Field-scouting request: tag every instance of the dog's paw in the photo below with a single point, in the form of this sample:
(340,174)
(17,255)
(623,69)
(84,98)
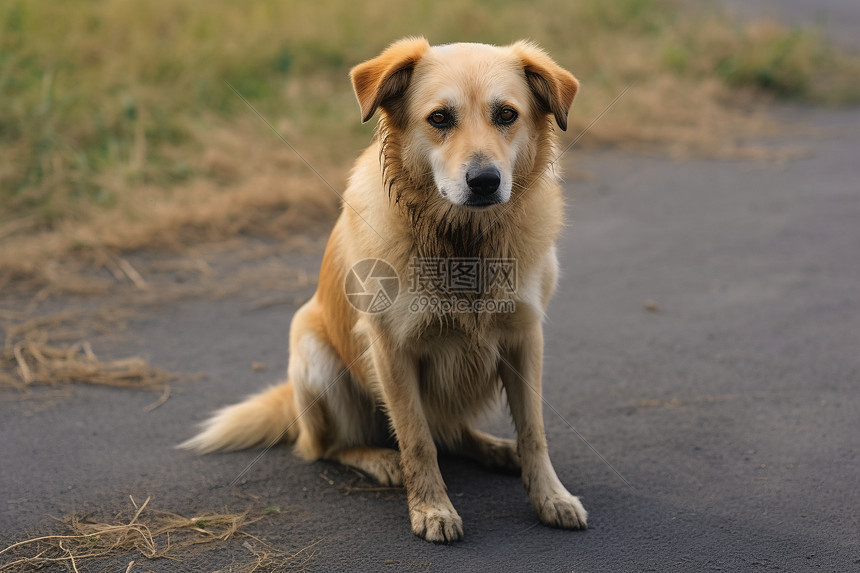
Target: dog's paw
(379,464)
(436,524)
(561,510)
(503,456)
(493,453)
(386,468)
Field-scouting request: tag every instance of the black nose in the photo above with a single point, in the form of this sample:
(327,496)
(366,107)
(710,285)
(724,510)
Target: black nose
(484,181)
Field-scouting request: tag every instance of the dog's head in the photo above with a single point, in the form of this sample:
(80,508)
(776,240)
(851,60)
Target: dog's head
(473,116)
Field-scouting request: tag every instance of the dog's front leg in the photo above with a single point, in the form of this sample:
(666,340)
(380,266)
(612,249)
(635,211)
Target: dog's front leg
(430,511)
(521,375)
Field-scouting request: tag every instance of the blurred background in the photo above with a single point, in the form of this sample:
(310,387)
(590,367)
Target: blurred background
(118,130)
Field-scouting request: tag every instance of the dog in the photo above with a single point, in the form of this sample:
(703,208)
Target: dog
(461,168)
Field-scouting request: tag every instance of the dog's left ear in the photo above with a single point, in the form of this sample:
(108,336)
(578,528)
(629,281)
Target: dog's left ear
(387,75)
(553,87)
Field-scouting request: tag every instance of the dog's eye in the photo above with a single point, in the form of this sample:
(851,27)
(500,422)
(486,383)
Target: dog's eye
(506,116)
(440,119)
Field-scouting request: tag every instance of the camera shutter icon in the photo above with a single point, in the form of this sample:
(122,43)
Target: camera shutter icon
(371,286)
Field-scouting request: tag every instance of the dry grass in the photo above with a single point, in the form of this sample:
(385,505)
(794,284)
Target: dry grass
(215,269)
(118,131)
(270,199)
(51,351)
(149,534)
(40,348)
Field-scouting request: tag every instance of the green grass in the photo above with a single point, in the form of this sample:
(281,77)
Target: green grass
(108,102)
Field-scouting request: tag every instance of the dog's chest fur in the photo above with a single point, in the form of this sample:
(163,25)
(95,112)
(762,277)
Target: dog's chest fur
(459,353)
(458,378)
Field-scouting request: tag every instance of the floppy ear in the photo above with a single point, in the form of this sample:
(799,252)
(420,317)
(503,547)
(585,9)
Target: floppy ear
(387,75)
(553,86)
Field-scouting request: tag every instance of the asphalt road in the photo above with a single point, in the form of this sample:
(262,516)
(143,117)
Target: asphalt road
(733,411)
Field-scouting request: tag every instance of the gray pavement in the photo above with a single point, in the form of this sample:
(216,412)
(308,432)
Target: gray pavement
(733,411)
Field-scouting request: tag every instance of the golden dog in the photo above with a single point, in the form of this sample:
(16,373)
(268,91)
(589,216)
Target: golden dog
(461,169)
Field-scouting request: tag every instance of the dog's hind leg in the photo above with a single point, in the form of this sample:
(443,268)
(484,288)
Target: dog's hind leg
(321,381)
(337,420)
(381,464)
(494,453)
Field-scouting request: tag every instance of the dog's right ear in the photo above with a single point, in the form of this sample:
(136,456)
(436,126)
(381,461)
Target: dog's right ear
(387,75)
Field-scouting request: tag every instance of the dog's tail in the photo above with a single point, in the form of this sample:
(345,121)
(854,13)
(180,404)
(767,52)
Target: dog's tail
(261,420)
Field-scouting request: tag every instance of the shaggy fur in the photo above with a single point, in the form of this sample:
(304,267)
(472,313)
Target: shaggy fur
(357,379)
